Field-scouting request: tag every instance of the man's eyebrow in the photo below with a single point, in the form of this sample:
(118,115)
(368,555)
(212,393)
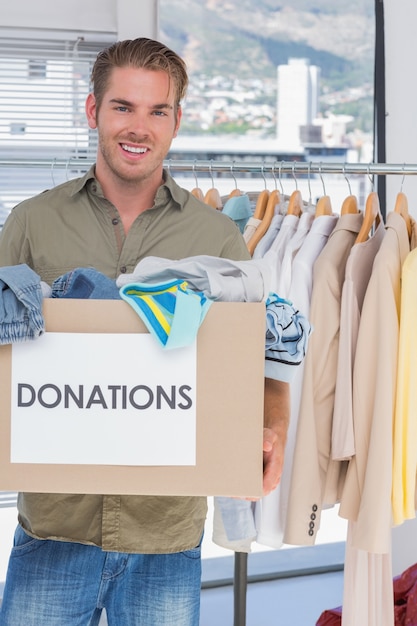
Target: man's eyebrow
(127,103)
(164,105)
(121,101)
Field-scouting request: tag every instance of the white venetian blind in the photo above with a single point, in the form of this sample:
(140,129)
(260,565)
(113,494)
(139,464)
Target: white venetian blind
(43,86)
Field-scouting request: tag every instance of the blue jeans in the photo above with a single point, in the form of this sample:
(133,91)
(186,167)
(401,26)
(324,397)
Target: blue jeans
(56,583)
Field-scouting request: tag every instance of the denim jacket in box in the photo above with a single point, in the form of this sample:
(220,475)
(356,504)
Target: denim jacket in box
(85,282)
(21,297)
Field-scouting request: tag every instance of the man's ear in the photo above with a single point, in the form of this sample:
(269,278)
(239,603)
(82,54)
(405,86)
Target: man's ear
(91,110)
(178,121)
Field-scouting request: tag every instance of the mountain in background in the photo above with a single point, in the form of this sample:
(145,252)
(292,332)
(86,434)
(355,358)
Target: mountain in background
(250,38)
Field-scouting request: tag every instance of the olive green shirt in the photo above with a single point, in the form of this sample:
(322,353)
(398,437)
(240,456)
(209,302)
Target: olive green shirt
(73,225)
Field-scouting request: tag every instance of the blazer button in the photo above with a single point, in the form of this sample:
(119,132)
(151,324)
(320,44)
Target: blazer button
(314,507)
(311,532)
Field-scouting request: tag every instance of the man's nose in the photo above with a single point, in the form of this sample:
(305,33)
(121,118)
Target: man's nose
(138,124)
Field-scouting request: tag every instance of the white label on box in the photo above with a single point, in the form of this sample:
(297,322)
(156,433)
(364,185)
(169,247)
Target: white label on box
(103,399)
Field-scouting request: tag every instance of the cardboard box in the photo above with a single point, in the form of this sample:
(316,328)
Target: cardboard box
(229,376)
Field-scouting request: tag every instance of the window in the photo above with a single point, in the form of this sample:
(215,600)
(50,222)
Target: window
(43,87)
(276,81)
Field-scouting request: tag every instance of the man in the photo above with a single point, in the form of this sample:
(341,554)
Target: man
(137,556)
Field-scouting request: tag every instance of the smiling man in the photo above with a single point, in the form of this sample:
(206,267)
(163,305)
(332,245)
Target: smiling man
(136,556)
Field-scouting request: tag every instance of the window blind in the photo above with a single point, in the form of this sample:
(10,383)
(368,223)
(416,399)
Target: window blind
(43,87)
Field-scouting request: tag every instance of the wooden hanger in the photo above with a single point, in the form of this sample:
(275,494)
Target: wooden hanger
(213,198)
(349,205)
(261,203)
(198,193)
(323,206)
(372,216)
(401,207)
(273,199)
(295,204)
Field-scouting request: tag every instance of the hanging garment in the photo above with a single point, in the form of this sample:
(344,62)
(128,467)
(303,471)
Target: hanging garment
(357,275)
(250,228)
(366,497)
(239,209)
(275,254)
(272,206)
(405,424)
(286,345)
(288,227)
(291,248)
(315,477)
(366,575)
(367,586)
(265,243)
(271,511)
(233,524)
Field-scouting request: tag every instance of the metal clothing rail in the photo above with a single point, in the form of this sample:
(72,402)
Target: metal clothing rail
(235,166)
(292,167)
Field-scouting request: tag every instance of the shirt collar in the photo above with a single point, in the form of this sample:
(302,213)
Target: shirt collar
(79,183)
(168,191)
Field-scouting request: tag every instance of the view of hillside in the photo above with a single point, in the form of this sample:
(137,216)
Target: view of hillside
(247,39)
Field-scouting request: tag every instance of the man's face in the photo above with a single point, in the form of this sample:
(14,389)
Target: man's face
(136,123)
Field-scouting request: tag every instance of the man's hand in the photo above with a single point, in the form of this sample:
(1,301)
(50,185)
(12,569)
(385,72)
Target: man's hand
(276,421)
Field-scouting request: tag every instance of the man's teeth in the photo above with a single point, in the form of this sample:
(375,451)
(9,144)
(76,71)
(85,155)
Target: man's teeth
(132,149)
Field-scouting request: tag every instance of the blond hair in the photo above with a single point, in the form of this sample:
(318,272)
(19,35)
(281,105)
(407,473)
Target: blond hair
(140,53)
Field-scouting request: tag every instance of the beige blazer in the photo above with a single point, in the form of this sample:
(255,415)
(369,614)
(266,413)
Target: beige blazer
(366,496)
(315,477)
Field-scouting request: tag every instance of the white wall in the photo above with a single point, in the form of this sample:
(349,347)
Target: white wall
(125,18)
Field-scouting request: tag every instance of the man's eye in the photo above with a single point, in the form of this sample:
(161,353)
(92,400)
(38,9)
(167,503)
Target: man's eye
(159,113)
(123,109)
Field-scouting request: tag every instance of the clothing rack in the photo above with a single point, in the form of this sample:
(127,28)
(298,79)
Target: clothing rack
(230,167)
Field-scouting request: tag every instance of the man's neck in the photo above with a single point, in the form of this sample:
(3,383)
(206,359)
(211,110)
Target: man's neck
(130,198)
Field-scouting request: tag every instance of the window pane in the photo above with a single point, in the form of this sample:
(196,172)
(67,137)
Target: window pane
(276,82)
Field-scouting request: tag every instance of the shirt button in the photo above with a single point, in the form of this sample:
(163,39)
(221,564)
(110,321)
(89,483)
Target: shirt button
(123,269)
(115,221)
